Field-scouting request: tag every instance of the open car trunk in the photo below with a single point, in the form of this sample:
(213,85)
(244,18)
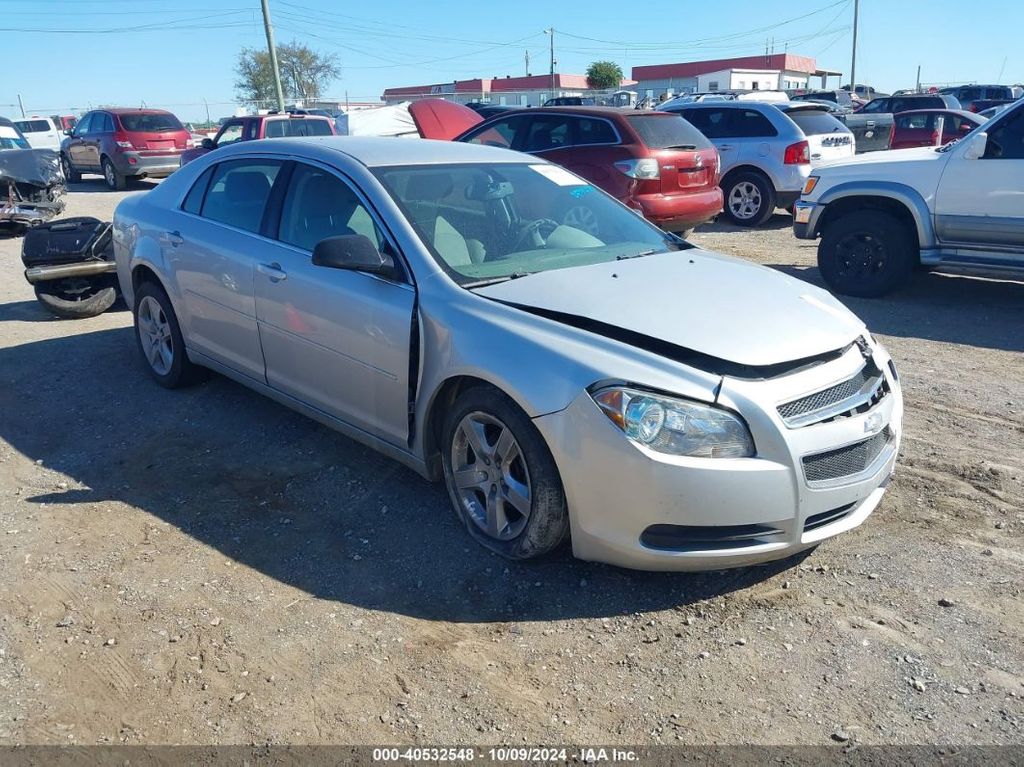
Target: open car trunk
(441,119)
(31,186)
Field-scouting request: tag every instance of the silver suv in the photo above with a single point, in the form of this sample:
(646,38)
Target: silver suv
(767,150)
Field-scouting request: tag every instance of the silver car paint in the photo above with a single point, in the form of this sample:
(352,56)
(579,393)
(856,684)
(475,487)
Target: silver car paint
(544,365)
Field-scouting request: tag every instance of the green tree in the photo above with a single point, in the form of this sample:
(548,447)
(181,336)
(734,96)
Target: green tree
(602,75)
(305,73)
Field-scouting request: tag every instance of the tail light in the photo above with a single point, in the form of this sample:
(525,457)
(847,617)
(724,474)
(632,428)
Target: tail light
(798,154)
(645,168)
(122,140)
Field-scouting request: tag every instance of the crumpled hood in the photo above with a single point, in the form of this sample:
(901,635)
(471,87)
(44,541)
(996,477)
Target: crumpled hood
(705,302)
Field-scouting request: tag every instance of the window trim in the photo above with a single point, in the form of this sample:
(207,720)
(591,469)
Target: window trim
(572,131)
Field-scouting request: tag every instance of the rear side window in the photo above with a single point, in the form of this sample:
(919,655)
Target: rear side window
(590,131)
(194,199)
(239,191)
(749,123)
(229,134)
(548,132)
(102,123)
(876,105)
(913,122)
(668,132)
(815,123)
(150,123)
(33,126)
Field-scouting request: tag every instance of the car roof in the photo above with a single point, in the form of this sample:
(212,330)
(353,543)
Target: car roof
(131,111)
(377,152)
(597,111)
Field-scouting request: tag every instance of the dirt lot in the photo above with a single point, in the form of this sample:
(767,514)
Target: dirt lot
(204,566)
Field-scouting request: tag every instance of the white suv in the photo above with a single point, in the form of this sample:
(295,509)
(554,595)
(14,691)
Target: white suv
(882,214)
(40,132)
(767,150)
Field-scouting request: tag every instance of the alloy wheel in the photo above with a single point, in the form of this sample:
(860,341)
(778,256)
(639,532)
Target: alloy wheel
(155,335)
(745,200)
(490,476)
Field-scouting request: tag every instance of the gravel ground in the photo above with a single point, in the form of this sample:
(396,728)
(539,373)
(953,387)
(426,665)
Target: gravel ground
(205,566)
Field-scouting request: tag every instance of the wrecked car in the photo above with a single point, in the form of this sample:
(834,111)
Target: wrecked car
(31,181)
(658,405)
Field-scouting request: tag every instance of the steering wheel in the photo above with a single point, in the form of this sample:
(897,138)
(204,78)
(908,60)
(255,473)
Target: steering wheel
(536,233)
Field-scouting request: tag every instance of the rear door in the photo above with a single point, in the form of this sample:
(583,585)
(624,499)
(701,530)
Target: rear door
(213,256)
(335,339)
(978,202)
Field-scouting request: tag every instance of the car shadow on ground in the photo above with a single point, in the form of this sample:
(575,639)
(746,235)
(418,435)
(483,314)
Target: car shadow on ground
(288,497)
(97,184)
(952,308)
(778,220)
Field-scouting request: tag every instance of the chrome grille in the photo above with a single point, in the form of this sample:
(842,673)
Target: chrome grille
(845,461)
(857,394)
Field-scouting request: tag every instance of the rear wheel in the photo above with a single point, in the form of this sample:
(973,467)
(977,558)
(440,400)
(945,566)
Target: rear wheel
(749,199)
(501,477)
(867,253)
(159,338)
(116,182)
(71,175)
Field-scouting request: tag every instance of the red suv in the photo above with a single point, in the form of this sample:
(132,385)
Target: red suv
(124,143)
(252,127)
(654,162)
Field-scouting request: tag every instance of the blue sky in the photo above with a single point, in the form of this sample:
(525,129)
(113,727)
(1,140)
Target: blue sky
(177,53)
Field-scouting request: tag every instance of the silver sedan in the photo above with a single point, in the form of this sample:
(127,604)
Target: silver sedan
(661,406)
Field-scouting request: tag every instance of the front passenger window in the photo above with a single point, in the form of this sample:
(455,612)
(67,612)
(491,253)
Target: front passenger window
(319,205)
(238,193)
(1006,140)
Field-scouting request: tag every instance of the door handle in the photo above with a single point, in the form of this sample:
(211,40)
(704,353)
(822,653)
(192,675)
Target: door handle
(273,271)
(174,238)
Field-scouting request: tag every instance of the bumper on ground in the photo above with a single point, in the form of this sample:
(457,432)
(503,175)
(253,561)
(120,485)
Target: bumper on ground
(675,212)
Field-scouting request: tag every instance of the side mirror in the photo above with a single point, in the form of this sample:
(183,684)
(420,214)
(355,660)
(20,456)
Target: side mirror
(207,143)
(354,252)
(976,146)
(70,132)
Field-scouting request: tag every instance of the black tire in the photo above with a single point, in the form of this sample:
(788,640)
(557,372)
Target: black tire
(180,371)
(750,185)
(76,299)
(71,175)
(547,524)
(115,181)
(866,253)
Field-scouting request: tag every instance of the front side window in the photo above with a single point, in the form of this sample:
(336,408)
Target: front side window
(33,126)
(1006,140)
(492,222)
(876,106)
(319,205)
(238,192)
(229,134)
(501,133)
(85,124)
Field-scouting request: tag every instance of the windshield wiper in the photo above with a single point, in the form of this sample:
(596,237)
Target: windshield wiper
(495,280)
(642,253)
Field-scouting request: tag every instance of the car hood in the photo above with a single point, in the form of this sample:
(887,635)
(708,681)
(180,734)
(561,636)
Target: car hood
(917,154)
(700,301)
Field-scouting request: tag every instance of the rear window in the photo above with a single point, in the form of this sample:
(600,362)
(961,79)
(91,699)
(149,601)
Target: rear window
(998,93)
(33,126)
(150,123)
(816,123)
(668,132)
(297,126)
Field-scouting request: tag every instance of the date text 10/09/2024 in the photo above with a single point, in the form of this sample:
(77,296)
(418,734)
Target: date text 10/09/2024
(585,754)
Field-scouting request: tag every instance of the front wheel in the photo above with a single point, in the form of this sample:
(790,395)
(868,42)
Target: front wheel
(76,298)
(866,254)
(501,477)
(749,199)
(159,338)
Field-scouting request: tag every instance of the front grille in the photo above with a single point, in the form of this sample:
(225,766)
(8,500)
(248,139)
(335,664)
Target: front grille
(815,521)
(818,407)
(845,461)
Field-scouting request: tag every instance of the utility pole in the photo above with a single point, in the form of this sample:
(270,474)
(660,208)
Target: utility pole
(273,55)
(21,105)
(551,32)
(918,78)
(527,63)
(853,60)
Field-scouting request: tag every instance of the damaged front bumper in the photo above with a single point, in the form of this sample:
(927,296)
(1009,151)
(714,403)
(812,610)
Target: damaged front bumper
(31,186)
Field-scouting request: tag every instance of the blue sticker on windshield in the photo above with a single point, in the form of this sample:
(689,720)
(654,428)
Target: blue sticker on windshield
(581,191)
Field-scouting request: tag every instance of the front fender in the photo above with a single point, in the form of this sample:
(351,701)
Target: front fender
(909,197)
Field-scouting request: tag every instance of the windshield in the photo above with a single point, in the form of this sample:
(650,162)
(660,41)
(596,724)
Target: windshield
(10,138)
(158,122)
(493,222)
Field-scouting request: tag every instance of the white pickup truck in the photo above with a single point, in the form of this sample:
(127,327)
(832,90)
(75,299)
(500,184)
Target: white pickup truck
(881,215)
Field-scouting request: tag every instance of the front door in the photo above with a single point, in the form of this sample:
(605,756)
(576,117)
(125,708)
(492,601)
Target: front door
(978,202)
(337,340)
(100,128)
(214,261)
(76,143)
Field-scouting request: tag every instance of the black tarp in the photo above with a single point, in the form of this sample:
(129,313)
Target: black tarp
(39,167)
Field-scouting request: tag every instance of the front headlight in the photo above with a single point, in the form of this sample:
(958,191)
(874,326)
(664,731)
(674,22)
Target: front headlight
(675,426)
